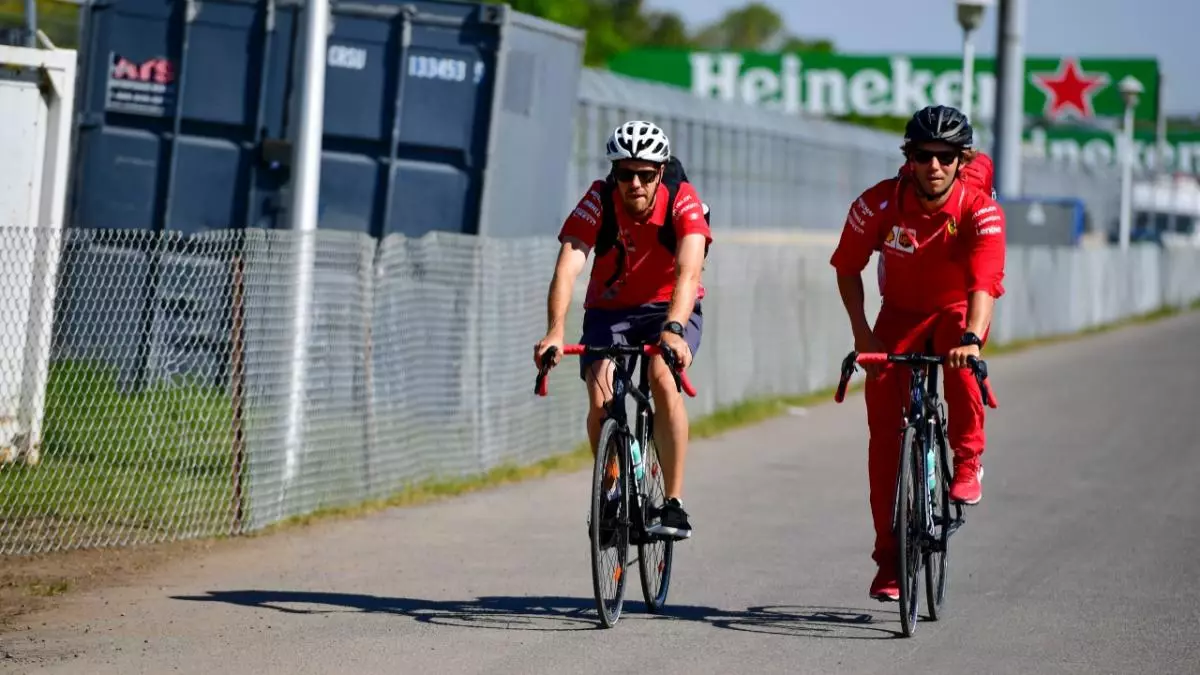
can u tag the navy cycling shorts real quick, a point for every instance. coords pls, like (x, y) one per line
(635, 325)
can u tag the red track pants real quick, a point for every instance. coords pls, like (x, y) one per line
(887, 399)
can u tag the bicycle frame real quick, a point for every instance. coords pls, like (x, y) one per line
(626, 359)
(635, 501)
(926, 418)
(923, 536)
(923, 415)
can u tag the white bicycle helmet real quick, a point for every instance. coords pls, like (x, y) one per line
(638, 140)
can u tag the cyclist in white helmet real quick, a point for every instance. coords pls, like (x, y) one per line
(645, 286)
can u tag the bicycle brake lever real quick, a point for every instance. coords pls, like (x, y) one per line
(539, 385)
(979, 368)
(672, 362)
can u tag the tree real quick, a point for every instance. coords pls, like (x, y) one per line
(753, 27)
(614, 26)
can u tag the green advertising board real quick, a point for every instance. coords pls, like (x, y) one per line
(1094, 148)
(1056, 88)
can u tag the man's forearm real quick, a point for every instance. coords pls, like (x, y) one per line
(683, 300)
(687, 279)
(566, 269)
(558, 302)
(979, 312)
(854, 299)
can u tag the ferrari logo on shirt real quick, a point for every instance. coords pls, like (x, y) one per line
(901, 239)
(952, 227)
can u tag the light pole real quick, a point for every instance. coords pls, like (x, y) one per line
(970, 16)
(1130, 89)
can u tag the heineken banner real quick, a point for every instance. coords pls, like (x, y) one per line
(1056, 88)
(1095, 148)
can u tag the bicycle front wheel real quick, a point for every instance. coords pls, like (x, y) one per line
(655, 552)
(609, 522)
(936, 573)
(908, 527)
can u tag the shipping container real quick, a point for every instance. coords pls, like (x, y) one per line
(439, 116)
(187, 116)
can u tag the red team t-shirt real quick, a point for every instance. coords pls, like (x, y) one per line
(649, 269)
(928, 261)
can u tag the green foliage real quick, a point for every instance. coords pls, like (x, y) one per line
(58, 20)
(615, 26)
(159, 459)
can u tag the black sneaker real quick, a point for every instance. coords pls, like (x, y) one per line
(673, 520)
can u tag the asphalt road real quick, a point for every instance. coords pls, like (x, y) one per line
(1082, 558)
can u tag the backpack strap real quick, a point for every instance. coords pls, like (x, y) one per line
(666, 233)
(673, 177)
(606, 238)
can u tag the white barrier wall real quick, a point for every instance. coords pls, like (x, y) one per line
(37, 106)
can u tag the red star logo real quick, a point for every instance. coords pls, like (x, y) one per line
(1070, 87)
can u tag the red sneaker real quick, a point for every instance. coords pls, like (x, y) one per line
(966, 486)
(885, 587)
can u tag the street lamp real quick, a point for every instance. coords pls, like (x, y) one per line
(1130, 89)
(970, 16)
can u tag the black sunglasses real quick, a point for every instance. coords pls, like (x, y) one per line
(944, 157)
(626, 175)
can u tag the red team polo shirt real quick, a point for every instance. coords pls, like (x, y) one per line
(928, 261)
(649, 272)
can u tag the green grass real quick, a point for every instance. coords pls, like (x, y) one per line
(144, 465)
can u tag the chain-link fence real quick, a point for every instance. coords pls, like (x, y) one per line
(167, 410)
(766, 170)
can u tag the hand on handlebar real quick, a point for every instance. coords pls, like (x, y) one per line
(552, 354)
(869, 344)
(671, 357)
(544, 347)
(679, 347)
(977, 366)
(960, 357)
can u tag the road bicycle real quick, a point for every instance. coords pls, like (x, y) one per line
(627, 481)
(923, 524)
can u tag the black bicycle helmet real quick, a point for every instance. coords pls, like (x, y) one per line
(939, 123)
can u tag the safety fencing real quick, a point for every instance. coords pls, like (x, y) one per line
(765, 170)
(167, 404)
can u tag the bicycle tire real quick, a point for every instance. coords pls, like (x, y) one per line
(655, 554)
(937, 575)
(612, 443)
(907, 545)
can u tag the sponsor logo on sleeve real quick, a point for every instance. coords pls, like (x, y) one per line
(585, 216)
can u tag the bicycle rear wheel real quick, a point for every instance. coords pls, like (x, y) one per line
(936, 571)
(908, 527)
(609, 522)
(655, 552)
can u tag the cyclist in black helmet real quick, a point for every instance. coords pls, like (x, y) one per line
(941, 249)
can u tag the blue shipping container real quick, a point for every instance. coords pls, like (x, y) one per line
(431, 107)
(439, 116)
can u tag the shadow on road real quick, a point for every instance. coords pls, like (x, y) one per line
(567, 614)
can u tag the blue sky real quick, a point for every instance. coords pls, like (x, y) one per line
(1165, 29)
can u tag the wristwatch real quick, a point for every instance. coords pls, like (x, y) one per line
(970, 338)
(673, 327)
